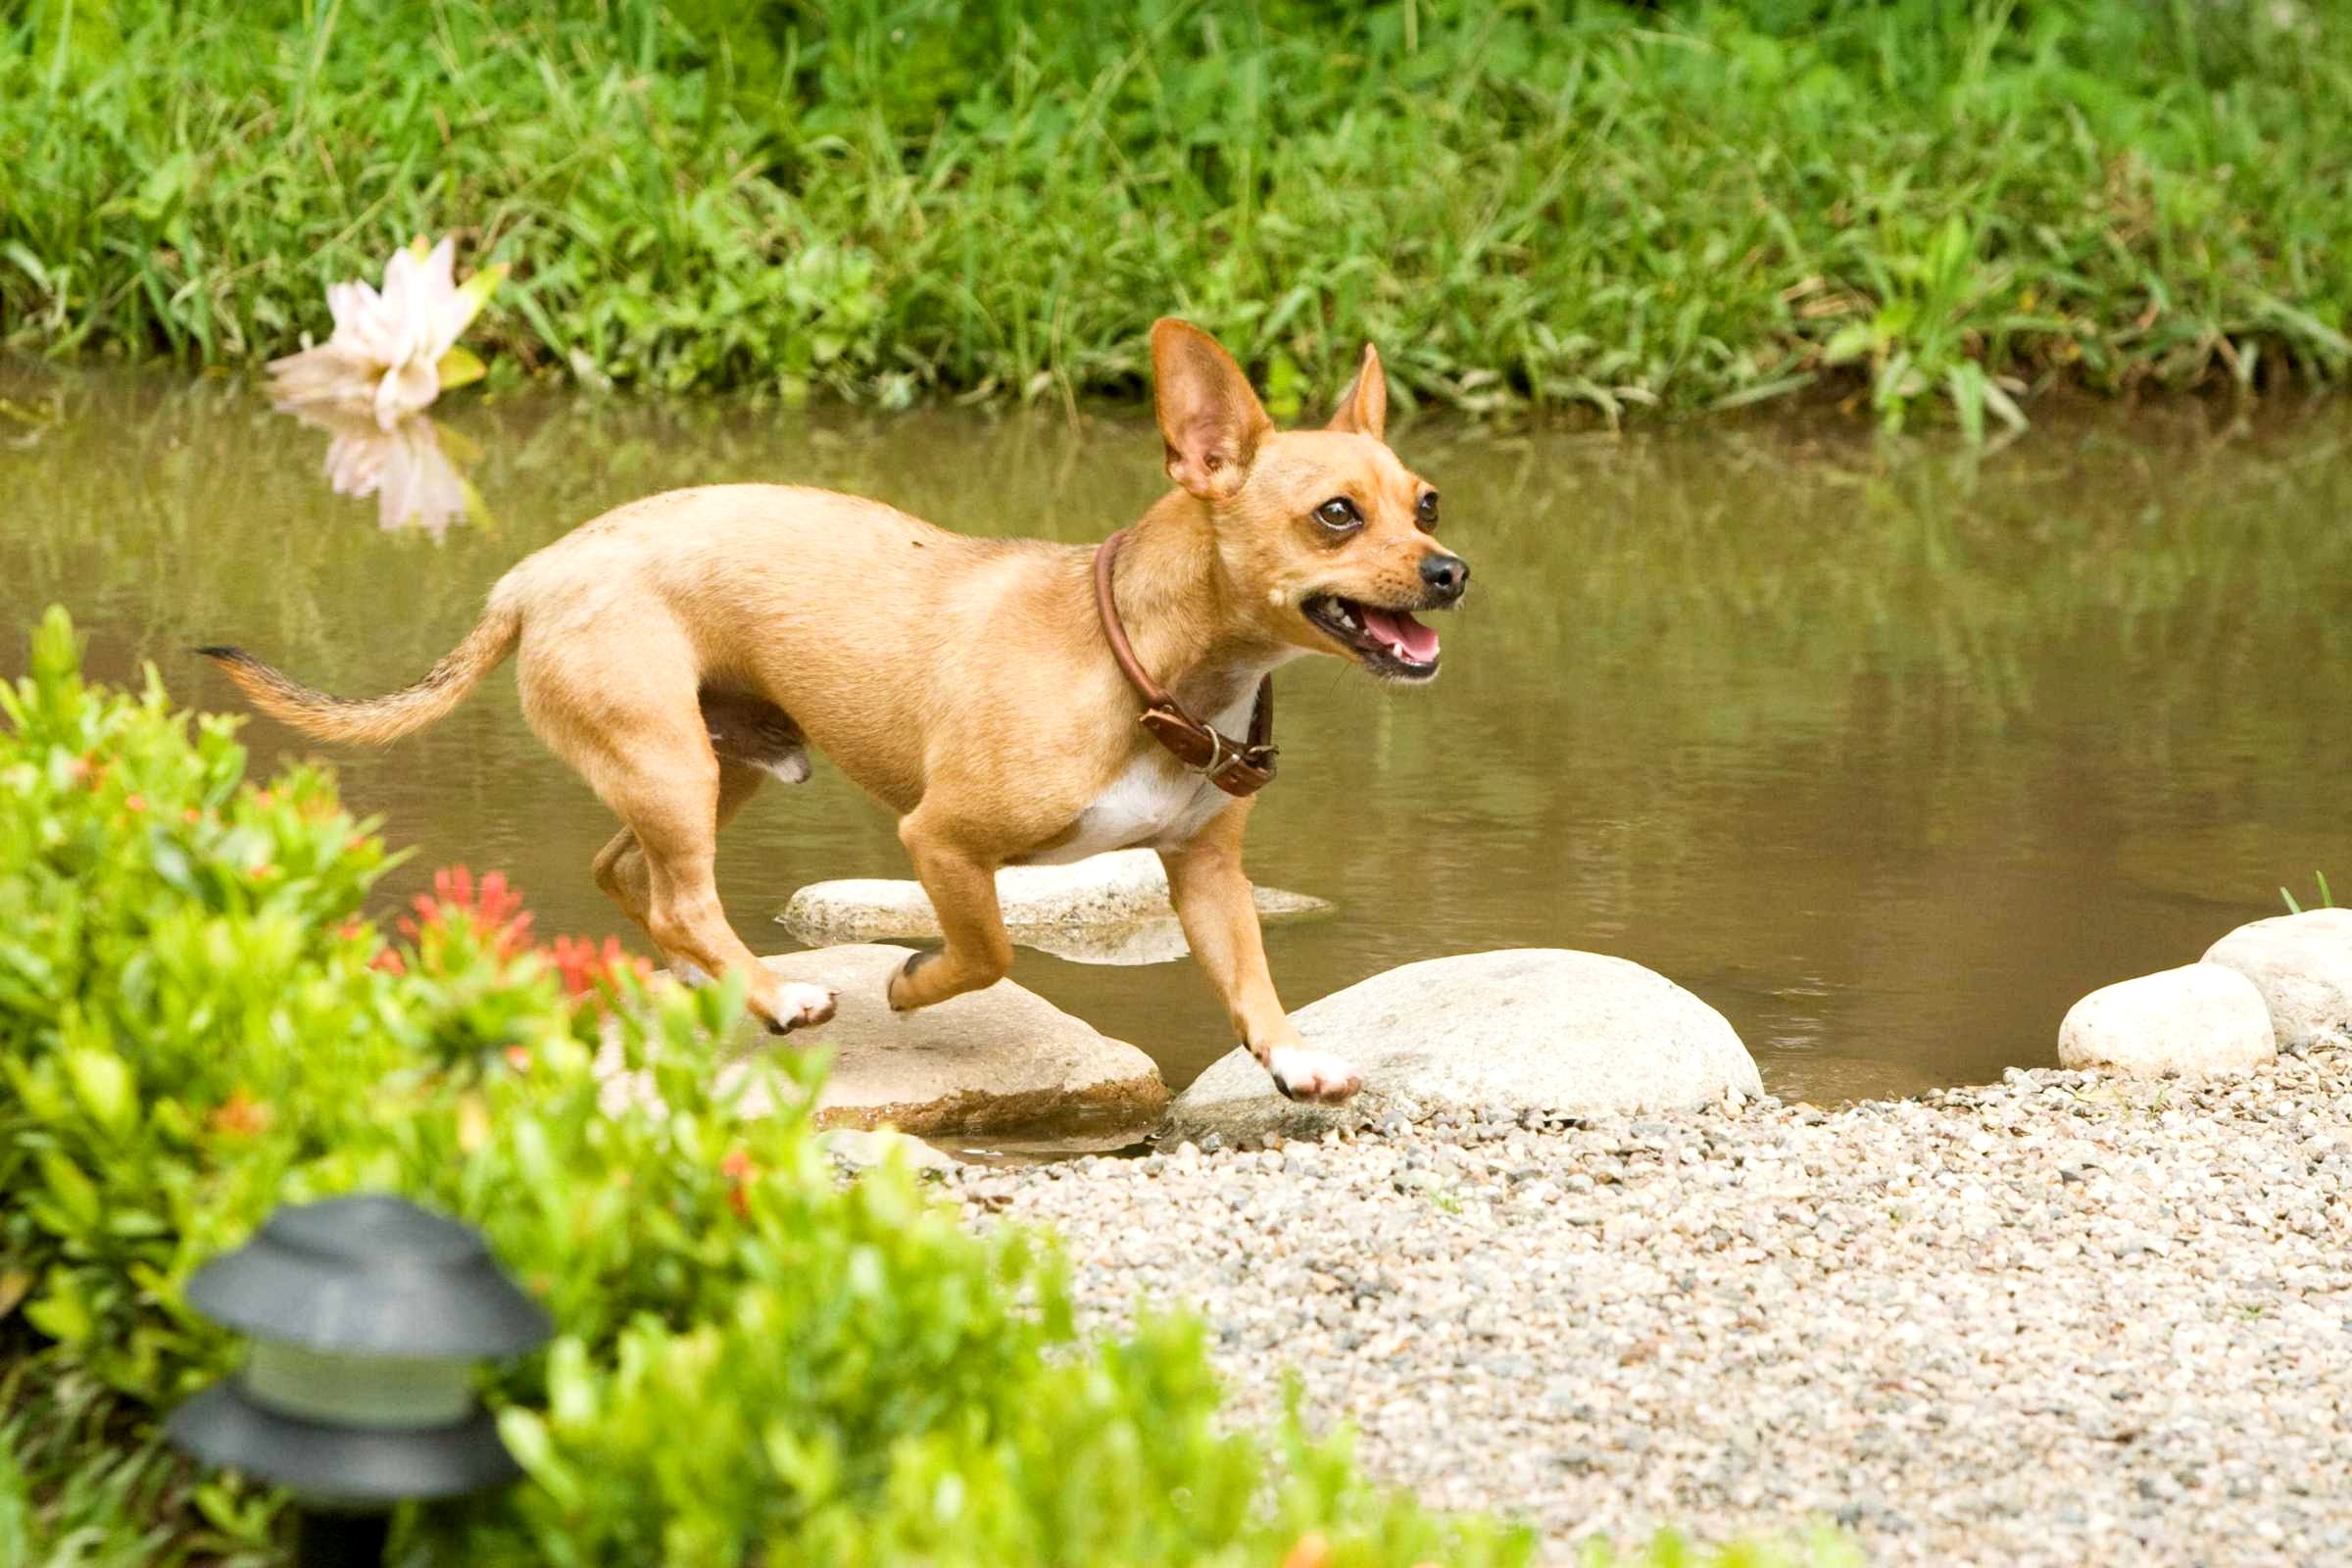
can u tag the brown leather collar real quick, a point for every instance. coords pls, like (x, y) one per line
(1230, 764)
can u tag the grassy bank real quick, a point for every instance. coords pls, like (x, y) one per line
(1682, 205)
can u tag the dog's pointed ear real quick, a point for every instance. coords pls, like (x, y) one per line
(1364, 406)
(1208, 417)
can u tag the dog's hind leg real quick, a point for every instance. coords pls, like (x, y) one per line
(671, 806)
(619, 869)
(643, 749)
(619, 866)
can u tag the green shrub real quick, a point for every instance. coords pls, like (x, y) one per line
(755, 1361)
(175, 955)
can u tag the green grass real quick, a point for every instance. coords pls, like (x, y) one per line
(83, 1483)
(1616, 207)
(2324, 901)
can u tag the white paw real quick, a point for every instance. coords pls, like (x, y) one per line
(1316, 1075)
(800, 1006)
(807, 1005)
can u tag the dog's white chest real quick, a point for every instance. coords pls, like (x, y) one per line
(1155, 802)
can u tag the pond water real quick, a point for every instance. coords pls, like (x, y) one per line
(1889, 753)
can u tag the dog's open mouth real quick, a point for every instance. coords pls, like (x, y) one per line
(1389, 642)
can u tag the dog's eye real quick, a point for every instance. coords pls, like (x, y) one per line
(1339, 516)
(1425, 512)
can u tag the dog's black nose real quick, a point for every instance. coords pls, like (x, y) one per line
(1446, 575)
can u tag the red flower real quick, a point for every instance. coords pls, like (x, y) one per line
(586, 968)
(240, 1116)
(390, 961)
(494, 906)
(491, 909)
(134, 802)
(740, 1172)
(518, 1058)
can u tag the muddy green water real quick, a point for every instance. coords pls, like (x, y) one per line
(1890, 754)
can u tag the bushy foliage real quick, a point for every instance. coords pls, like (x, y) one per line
(1598, 204)
(755, 1361)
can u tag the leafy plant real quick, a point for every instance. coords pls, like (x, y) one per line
(1918, 339)
(1591, 205)
(80, 1488)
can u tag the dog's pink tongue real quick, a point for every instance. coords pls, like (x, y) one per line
(1402, 632)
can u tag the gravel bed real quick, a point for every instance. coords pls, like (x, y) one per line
(2063, 1319)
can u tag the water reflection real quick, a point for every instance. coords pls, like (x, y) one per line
(405, 467)
(1889, 753)
(1119, 944)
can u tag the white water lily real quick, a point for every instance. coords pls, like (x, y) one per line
(392, 352)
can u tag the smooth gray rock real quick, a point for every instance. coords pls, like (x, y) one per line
(1522, 1029)
(1110, 909)
(2197, 1019)
(2302, 964)
(999, 1060)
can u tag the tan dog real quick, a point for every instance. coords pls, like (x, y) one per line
(678, 648)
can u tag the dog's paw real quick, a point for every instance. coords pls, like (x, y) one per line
(800, 1006)
(900, 991)
(1312, 1075)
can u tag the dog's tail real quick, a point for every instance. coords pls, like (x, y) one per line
(376, 720)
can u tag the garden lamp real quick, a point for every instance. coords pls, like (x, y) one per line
(367, 1317)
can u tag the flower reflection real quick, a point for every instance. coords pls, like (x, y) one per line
(403, 467)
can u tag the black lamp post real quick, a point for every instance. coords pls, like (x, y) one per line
(368, 1318)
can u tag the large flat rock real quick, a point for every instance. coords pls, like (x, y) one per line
(2197, 1019)
(1110, 909)
(999, 1060)
(1526, 1028)
(2302, 964)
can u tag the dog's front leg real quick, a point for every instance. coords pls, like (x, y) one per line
(963, 889)
(1220, 922)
